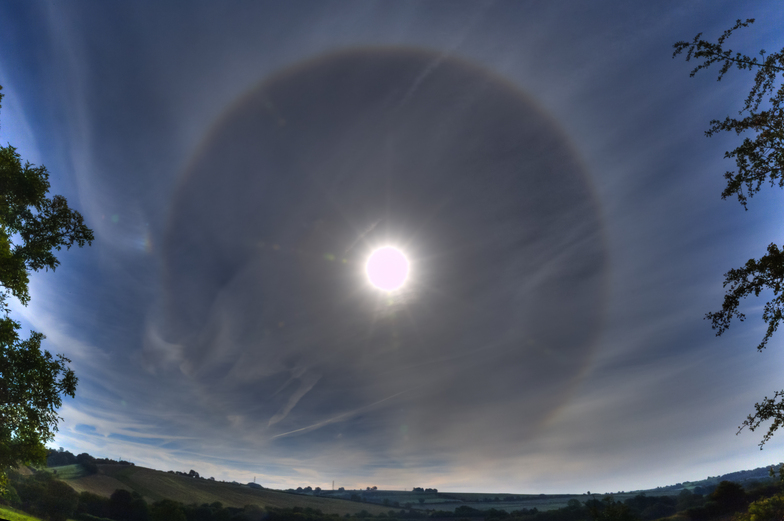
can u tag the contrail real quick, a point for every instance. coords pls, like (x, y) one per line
(342, 416)
(448, 52)
(304, 388)
(361, 235)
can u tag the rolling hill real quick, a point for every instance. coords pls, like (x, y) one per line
(154, 485)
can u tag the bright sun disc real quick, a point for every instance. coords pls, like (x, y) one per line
(387, 268)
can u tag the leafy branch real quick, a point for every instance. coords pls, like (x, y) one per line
(759, 160)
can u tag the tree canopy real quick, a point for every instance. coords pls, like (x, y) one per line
(759, 161)
(32, 381)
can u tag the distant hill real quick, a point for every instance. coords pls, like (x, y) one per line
(449, 501)
(154, 485)
(742, 477)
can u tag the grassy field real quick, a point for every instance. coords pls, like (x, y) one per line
(67, 471)
(154, 485)
(15, 515)
(100, 484)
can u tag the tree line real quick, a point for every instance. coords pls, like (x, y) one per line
(60, 458)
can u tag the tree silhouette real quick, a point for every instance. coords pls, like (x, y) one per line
(32, 381)
(759, 160)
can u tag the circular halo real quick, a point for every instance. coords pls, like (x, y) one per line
(387, 268)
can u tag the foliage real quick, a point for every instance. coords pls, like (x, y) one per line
(32, 382)
(729, 496)
(687, 499)
(30, 393)
(87, 462)
(60, 500)
(652, 507)
(127, 506)
(10, 496)
(759, 160)
(612, 510)
(167, 510)
(92, 505)
(59, 458)
(46, 496)
(768, 509)
(62, 458)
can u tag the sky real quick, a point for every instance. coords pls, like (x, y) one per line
(542, 165)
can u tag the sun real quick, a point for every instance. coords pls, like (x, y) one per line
(387, 268)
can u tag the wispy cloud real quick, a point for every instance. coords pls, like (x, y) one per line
(542, 165)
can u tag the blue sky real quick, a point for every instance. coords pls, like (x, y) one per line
(543, 166)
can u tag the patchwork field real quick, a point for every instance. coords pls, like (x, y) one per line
(449, 501)
(67, 472)
(155, 485)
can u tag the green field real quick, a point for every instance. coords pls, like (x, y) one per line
(154, 485)
(67, 472)
(16, 515)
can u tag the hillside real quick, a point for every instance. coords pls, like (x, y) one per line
(743, 477)
(155, 485)
(449, 501)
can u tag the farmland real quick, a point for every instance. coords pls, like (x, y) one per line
(154, 485)
(449, 501)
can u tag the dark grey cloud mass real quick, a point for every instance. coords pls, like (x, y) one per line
(541, 164)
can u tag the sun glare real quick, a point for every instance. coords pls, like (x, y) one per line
(387, 268)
